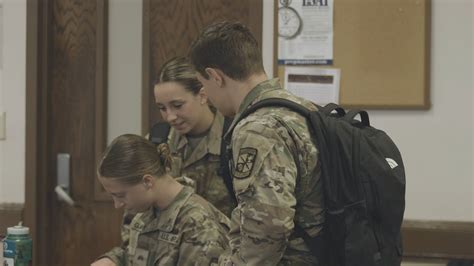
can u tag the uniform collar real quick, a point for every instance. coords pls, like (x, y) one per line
(210, 144)
(268, 85)
(166, 219)
(254, 95)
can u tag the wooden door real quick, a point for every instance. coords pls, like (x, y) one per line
(67, 53)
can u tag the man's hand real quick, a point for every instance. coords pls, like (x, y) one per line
(104, 262)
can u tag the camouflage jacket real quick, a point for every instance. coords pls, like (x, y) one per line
(202, 165)
(190, 231)
(276, 178)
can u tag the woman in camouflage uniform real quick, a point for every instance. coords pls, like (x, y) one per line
(174, 226)
(195, 137)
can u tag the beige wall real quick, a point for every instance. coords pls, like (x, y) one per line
(12, 100)
(124, 68)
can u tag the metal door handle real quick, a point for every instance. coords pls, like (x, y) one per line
(63, 196)
(63, 171)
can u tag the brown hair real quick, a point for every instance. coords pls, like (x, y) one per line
(228, 46)
(180, 70)
(129, 157)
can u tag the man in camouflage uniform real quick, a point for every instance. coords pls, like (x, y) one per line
(190, 231)
(275, 168)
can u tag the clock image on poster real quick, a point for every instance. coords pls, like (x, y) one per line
(289, 21)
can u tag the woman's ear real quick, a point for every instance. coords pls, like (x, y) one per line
(203, 98)
(148, 181)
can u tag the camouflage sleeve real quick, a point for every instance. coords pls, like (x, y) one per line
(117, 255)
(203, 241)
(264, 174)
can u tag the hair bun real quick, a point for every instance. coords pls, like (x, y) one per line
(164, 154)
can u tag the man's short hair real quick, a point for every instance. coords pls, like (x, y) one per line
(228, 46)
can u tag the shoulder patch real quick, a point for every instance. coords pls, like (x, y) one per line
(245, 162)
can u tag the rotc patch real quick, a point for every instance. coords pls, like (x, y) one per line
(245, 161)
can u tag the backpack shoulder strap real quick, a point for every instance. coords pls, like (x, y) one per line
(224, 161)
(276, 102)
(273, 102)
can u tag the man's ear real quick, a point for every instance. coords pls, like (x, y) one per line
(216, 75)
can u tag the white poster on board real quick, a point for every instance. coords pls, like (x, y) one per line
(319, 85)
(305, 32)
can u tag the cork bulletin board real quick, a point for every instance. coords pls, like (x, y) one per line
(383, 50)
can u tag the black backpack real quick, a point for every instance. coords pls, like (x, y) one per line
(363, 181)
(159, 134)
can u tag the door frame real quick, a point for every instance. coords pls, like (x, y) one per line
(38, 52)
